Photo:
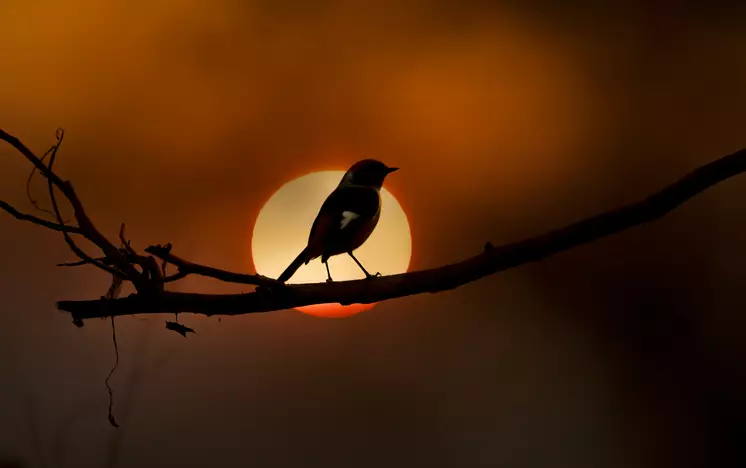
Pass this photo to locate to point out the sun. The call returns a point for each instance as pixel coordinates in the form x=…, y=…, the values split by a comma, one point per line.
x=281, y=232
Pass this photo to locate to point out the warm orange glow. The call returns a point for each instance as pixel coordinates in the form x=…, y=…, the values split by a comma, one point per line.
x=335, y=310
x=281, y=232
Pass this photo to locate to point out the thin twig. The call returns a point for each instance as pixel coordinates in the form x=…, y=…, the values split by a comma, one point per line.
x=105, y=260
x=112, y=420
x=28, y=184
x=164, y=263
x=41, y=222
x=86, y=226
x=73, y=246
x=125, y=243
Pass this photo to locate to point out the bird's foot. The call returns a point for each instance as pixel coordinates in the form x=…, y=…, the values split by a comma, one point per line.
x=329, y=280
x=377, y=275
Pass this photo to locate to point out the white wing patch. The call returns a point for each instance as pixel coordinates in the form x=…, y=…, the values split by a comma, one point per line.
x=347, y=216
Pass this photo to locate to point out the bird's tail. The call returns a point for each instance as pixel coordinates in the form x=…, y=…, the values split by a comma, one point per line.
x=303, y=257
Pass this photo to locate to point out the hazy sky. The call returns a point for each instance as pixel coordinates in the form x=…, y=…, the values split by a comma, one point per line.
x=183, y=117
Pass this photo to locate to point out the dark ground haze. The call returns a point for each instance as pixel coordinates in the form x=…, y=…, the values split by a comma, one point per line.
x=182, y=118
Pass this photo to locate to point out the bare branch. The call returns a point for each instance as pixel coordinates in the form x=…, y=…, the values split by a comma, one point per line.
x=85, y=262
x=164, y=263
x=28, y=154
x=28, y=184
x=111, y=418
x=123, y=267
x=125, y=243
x=186, y=268
x=492, y=260
x=41, y=222
x=73, y=246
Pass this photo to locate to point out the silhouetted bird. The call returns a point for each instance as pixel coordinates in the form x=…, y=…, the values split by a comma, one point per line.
x=347, y=217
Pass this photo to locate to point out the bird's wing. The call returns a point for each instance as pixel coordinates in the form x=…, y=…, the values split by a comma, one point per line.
x=344, y=210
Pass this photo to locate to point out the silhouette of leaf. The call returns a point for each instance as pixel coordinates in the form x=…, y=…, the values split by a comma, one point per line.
x=179, y=328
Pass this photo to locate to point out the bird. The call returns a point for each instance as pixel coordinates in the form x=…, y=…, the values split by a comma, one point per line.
x=346, y=219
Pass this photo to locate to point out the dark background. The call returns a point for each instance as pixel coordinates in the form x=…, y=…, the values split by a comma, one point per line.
x=182, y=118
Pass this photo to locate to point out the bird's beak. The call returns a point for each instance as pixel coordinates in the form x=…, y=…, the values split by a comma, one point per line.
x=391, y=169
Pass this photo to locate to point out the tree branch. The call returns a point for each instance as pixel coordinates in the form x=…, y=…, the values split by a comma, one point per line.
x=186, y=268
x=272, y=297
x=70, y=242
x=124, y=268
x=41, y=222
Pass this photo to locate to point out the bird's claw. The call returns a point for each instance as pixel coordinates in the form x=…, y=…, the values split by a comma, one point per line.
x=377, y=275
x=329, y=280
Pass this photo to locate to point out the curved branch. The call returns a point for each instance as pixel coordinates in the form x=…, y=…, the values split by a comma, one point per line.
x=31, y=177
x=492, y=260
x=28, y=154
x=188, y=268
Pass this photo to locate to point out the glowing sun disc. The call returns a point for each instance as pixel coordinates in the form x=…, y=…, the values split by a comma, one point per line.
x=281, y=233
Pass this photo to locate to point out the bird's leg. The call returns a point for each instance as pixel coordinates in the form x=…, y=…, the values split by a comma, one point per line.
x=329, y=279
x=367, y=275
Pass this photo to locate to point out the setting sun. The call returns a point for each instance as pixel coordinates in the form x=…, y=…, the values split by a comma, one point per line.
x=281, y=232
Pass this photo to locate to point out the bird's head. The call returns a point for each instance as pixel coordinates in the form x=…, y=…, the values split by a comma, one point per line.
x=368, y=172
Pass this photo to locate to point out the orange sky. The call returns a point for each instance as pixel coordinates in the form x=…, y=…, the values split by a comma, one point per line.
x=182, y=118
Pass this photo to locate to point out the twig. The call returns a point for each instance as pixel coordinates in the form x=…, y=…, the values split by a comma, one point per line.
x=73, y=246
x=28, y=184
x=85, y=262
x=41, y=222
x=164, y=263
x=112, y=421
